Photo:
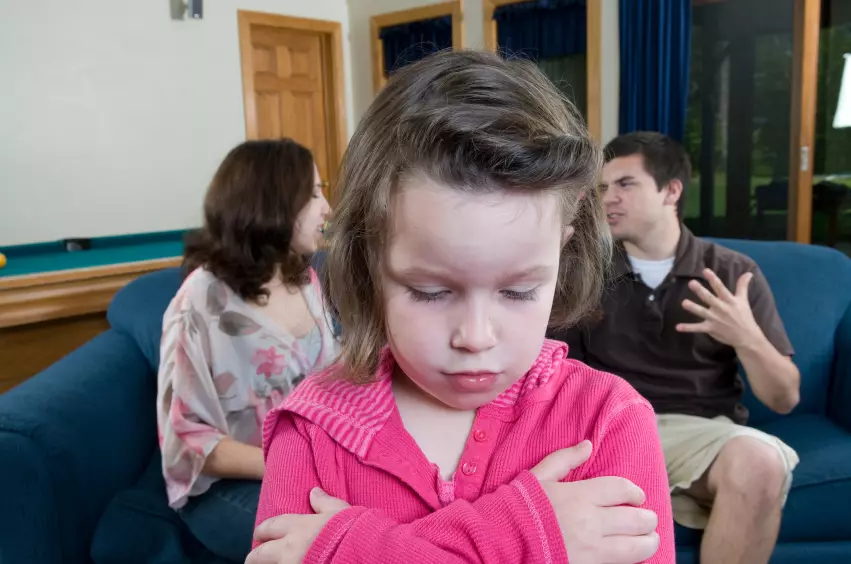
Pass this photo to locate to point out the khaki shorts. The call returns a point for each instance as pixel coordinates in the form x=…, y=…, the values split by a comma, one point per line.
x=691, y=444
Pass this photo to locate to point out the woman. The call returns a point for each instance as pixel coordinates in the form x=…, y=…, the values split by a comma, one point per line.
x=246, y=326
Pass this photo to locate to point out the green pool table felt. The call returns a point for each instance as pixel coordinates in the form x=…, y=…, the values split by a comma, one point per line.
x=39, y=258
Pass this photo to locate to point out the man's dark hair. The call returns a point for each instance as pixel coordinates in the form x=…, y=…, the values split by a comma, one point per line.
x=664, y=158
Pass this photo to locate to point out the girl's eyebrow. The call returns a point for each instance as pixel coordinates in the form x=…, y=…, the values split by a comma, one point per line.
x=535, y=271
x=416, y=270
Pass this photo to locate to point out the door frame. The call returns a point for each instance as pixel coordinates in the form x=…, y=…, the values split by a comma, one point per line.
x=333, y=76
x=452, y=8
x=593, y=54
x=805, y=45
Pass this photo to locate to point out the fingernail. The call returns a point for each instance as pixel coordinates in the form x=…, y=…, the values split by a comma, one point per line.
x=317, y=491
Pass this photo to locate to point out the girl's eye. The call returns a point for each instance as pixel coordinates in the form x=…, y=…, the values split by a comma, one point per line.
x=527, y=296
x=419, y=296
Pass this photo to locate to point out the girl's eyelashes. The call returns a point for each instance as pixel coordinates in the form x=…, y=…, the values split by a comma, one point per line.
x=514, y=295
x=420, y=296
x=519, y=296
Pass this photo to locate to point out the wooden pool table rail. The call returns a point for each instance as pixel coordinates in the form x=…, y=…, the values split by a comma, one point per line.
x=47, y=315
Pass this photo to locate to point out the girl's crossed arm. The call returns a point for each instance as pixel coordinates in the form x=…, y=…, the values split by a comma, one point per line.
x=516, y=523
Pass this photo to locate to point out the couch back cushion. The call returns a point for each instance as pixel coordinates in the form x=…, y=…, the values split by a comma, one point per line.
x=812, y=288
x=138, y=308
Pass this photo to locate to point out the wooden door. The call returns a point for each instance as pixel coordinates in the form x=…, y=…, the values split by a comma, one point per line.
x=292, y=84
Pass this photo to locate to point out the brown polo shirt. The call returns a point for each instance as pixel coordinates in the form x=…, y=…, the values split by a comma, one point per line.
x=636, y=337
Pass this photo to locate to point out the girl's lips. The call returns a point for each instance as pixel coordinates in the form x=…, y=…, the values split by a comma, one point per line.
x=472, y=382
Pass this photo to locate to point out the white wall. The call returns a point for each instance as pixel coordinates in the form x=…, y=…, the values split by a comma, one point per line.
x=610, y=71
x=360, y=12
x=113, y=117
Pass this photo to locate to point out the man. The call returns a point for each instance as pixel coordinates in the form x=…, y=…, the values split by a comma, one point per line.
x=679, y=314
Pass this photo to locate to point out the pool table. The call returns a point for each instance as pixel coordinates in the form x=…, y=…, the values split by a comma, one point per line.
x=53, y=296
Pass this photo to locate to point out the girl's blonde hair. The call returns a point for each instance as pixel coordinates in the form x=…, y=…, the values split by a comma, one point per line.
x=476, y=123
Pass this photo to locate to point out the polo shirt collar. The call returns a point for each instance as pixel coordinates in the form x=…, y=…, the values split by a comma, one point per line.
x=688, y=257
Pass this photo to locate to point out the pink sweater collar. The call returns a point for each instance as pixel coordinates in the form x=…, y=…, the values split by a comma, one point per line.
x=352, y=414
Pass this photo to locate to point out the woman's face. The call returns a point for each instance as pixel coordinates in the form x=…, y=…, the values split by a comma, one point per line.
x=311, y=220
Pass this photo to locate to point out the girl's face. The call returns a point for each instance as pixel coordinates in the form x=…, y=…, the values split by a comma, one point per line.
x=468, y=284
x=307, y=232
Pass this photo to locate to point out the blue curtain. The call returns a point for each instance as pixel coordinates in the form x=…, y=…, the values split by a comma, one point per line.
x=542, y=29
x=655, y=48
x=407, y=43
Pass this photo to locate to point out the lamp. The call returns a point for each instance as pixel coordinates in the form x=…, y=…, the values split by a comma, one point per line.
x=842, y=118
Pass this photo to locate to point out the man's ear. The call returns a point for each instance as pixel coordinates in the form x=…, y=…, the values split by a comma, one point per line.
x=674, y=191
x=566, y=234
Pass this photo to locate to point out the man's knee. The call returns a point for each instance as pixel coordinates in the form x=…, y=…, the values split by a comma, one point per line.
x=751, y=469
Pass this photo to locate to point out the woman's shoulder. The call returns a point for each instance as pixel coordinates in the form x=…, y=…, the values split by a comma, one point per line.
x=205, y=290
x=201, y=293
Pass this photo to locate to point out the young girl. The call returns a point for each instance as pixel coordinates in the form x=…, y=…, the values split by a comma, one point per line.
x=469, y=220
x=245, y=327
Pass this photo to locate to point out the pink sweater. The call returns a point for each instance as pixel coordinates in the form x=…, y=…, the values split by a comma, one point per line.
x=350, y=441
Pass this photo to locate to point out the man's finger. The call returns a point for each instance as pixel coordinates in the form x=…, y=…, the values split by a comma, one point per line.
x=717, y=285
x=321, y=502
x=558, y=464
x=610, y=491
x=702, y=327
x=742, y=285
x=697, y=309
x=703, y=293
x=625, y=520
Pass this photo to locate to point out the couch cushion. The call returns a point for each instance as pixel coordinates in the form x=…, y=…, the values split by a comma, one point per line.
x=812, y=512
x=138, y=526
x=138, y=308
x=810, y=317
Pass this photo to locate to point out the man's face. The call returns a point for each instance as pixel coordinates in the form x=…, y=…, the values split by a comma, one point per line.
x=634, y=204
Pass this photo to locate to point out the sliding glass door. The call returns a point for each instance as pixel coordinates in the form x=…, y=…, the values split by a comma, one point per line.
x=738, y=118
x=762, y=98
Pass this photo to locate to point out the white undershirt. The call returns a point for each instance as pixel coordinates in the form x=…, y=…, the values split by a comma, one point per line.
x=652, y=272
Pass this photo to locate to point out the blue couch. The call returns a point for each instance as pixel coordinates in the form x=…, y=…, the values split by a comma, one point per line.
x=79, y=468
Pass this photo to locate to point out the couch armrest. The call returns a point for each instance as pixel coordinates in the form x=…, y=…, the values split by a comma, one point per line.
x=839, y=396
x=71, y=437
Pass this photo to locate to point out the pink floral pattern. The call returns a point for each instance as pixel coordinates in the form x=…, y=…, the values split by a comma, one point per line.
x=269, y=362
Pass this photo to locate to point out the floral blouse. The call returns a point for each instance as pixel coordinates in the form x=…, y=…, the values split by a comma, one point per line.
x=224, y=365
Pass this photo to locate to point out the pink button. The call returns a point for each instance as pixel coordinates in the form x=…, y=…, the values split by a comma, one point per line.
x=468, y=468
x=480, y=436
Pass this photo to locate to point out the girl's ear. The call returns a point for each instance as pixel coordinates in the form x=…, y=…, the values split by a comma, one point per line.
x=566, y=234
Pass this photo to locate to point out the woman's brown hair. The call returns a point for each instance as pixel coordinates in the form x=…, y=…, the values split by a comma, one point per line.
x=250, y=211
x=474, y=122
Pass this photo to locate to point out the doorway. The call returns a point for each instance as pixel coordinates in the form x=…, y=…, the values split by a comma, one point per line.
x=293, y=85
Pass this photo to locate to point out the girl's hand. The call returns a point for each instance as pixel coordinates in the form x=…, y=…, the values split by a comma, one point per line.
x=287, y=538
x=596, y=522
